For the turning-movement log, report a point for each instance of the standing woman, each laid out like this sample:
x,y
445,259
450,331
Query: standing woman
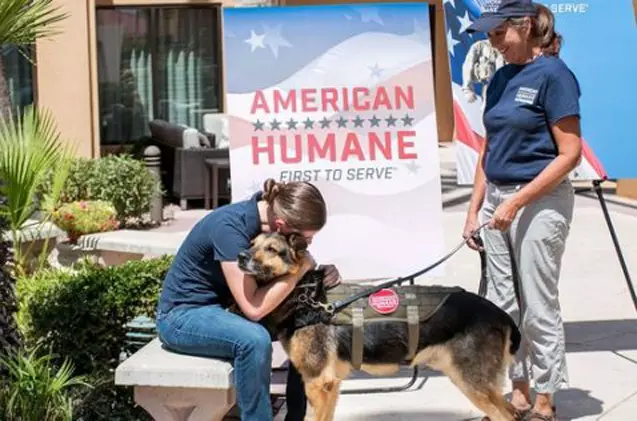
x,y
521,185
204,277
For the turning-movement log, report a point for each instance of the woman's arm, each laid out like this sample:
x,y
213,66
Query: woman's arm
x,y
477,197
569,144
479,185
255,302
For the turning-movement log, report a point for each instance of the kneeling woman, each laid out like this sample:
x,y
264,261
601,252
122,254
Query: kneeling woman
x,y
204,276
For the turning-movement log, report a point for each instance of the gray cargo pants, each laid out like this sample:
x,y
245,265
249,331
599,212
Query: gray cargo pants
x,y
530,253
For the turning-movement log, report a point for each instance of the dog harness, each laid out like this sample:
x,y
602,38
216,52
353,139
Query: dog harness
x,y
410,304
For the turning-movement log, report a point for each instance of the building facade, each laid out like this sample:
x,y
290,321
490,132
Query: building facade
x,y
118,64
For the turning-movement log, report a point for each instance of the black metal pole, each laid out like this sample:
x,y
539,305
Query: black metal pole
x,y
620,255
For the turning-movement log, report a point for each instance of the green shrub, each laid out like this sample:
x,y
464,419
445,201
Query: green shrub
x,y
77,184
81,316
85,217
126,183
121,180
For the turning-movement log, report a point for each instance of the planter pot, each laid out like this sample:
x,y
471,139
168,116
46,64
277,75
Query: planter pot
x,y
66,254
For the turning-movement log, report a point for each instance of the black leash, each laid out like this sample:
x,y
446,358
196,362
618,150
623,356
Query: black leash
x,y
339,305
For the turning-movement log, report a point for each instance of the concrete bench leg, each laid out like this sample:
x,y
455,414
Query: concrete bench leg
x,y
180,404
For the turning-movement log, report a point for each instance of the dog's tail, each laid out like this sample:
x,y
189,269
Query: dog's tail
x,y
515,336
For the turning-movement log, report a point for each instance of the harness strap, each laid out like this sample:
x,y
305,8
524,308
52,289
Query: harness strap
x,y
413,325
357,337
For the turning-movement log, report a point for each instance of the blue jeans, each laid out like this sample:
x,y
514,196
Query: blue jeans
x,y
211,331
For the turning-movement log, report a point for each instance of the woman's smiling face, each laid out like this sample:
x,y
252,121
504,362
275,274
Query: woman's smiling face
x,y
512,40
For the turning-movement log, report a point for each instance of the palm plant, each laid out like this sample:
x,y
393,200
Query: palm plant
x,y
22,22
22,164
30,152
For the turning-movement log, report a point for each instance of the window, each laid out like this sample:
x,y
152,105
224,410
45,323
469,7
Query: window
x,y
156,63
18,77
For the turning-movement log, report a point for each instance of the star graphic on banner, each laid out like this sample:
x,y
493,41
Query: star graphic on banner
x,y
341,122
291,124
374,121
274,40
407,120
391,121
258,125
465,22
412,167
358,121
451,2
325,123
309,124
451,42
255,41
370,14
376,70
275,124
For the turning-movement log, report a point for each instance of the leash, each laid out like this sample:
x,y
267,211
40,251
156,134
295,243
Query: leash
x,y
339,305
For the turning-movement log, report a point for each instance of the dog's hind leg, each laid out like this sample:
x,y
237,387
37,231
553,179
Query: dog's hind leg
x,y
480,380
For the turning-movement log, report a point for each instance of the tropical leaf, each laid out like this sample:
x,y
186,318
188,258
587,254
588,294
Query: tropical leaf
x,y
30,148
24,21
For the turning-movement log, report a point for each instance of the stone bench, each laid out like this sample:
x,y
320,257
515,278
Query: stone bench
x,y
175,387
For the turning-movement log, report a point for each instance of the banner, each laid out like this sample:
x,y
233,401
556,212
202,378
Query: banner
x,y
602,64
343,97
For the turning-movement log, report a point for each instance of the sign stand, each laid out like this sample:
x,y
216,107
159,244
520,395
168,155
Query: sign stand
x,y
598,190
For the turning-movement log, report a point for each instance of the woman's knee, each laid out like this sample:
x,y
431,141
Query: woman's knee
x,y
256,342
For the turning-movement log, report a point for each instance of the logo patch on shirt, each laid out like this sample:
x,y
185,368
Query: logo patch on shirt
x,y
526,95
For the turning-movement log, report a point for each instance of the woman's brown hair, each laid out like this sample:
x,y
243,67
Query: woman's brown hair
x,y
543,30
299,204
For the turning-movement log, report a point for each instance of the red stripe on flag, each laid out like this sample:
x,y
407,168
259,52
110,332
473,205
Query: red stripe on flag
x,y
464,132
589,155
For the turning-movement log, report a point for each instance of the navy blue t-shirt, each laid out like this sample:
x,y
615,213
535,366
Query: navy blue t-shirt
x,y
522,103
195,276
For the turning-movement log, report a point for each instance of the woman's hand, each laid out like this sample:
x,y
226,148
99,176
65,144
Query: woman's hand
x,y
332,277
471,224
504,214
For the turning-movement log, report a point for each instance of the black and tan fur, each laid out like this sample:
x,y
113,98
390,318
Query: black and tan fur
x,y
468,339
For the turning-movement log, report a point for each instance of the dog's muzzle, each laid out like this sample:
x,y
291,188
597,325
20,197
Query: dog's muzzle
x,y
243,259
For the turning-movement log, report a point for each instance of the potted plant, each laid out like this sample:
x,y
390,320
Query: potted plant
x,y
80,218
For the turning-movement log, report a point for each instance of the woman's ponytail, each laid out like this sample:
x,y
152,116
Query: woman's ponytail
x,y
544,31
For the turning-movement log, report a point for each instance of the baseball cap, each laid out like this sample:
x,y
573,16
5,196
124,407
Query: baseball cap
x,y
498,14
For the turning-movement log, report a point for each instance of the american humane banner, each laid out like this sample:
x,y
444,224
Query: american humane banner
x,y
601,64
341,96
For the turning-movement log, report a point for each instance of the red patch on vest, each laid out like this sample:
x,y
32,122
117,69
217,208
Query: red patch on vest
x,y
385,301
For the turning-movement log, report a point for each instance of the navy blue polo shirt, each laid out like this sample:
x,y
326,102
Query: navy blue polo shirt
x,y
195,276
522,103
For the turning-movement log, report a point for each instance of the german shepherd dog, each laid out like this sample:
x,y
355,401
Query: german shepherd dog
x,y
468,338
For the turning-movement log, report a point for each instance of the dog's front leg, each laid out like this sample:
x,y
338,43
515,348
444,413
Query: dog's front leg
x,y
322,396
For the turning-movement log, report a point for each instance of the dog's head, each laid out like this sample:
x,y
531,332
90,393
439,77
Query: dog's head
x,y
272,255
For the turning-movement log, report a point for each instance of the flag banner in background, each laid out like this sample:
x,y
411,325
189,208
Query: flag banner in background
x,y
341,96
601,64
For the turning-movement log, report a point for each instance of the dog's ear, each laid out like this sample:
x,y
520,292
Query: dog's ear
x,y
297,242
